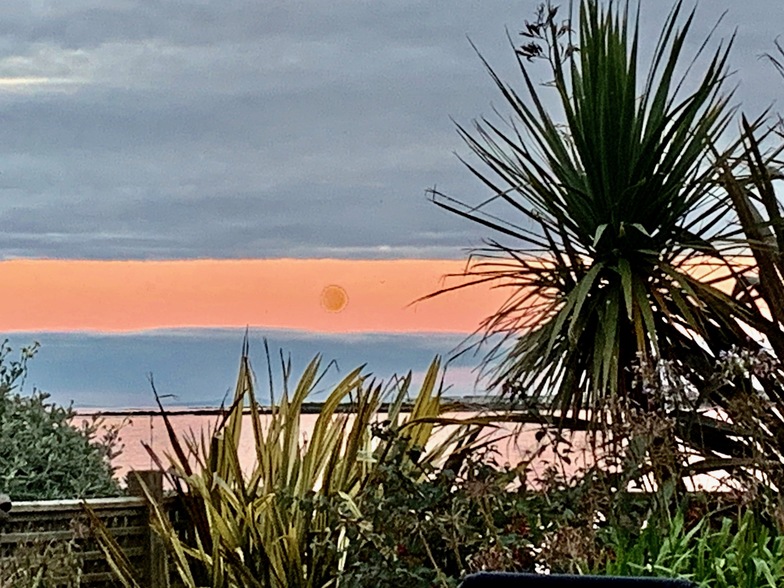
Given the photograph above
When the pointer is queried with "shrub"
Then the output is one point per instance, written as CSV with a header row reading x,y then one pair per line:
x,y
43,455
432,531
428,531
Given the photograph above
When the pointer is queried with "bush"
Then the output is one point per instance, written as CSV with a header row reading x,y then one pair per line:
x,y
431,531
43,455
45,564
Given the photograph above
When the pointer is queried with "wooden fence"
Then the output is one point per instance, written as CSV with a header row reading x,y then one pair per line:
x,y
56,534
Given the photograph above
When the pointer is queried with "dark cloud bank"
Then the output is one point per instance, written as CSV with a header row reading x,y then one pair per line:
x,y
199,366
163,129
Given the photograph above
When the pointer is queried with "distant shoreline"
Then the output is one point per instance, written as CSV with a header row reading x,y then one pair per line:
x,y
449,403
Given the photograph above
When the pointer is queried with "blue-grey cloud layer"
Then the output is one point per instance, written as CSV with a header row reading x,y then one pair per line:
x,y
199,366
243,128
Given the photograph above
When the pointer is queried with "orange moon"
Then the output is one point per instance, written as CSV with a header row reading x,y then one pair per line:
x,y
334,298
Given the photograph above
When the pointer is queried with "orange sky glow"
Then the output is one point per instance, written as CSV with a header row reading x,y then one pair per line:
x,y
324,295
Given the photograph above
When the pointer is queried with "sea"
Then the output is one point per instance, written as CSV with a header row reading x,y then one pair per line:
x,y
143,438
509,444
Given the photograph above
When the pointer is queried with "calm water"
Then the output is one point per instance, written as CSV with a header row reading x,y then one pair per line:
x,y
510,445
135,429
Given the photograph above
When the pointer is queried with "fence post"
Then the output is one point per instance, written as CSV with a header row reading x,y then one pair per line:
x,y
156,573
5,508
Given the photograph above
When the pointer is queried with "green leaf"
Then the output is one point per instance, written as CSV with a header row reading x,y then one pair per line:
x,y
599,232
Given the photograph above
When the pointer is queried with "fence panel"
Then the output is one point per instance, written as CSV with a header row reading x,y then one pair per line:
x,y
56,534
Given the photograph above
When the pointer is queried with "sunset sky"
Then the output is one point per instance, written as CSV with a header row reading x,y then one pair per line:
x,y
174,171
104,325
324,295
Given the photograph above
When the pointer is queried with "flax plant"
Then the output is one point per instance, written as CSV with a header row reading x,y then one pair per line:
x,y
280,521
603,194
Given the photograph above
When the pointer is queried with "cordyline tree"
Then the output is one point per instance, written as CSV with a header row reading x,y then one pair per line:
x,y
612,226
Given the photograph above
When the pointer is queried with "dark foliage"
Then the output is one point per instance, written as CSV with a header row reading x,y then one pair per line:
x,y
43,453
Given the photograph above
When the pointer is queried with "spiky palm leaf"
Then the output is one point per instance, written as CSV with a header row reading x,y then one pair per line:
x,y
748,179
608,212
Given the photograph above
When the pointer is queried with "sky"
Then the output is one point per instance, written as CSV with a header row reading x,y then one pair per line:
x,y
165,132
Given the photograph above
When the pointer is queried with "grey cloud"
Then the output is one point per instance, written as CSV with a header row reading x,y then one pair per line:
x,y
203,129
145,223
